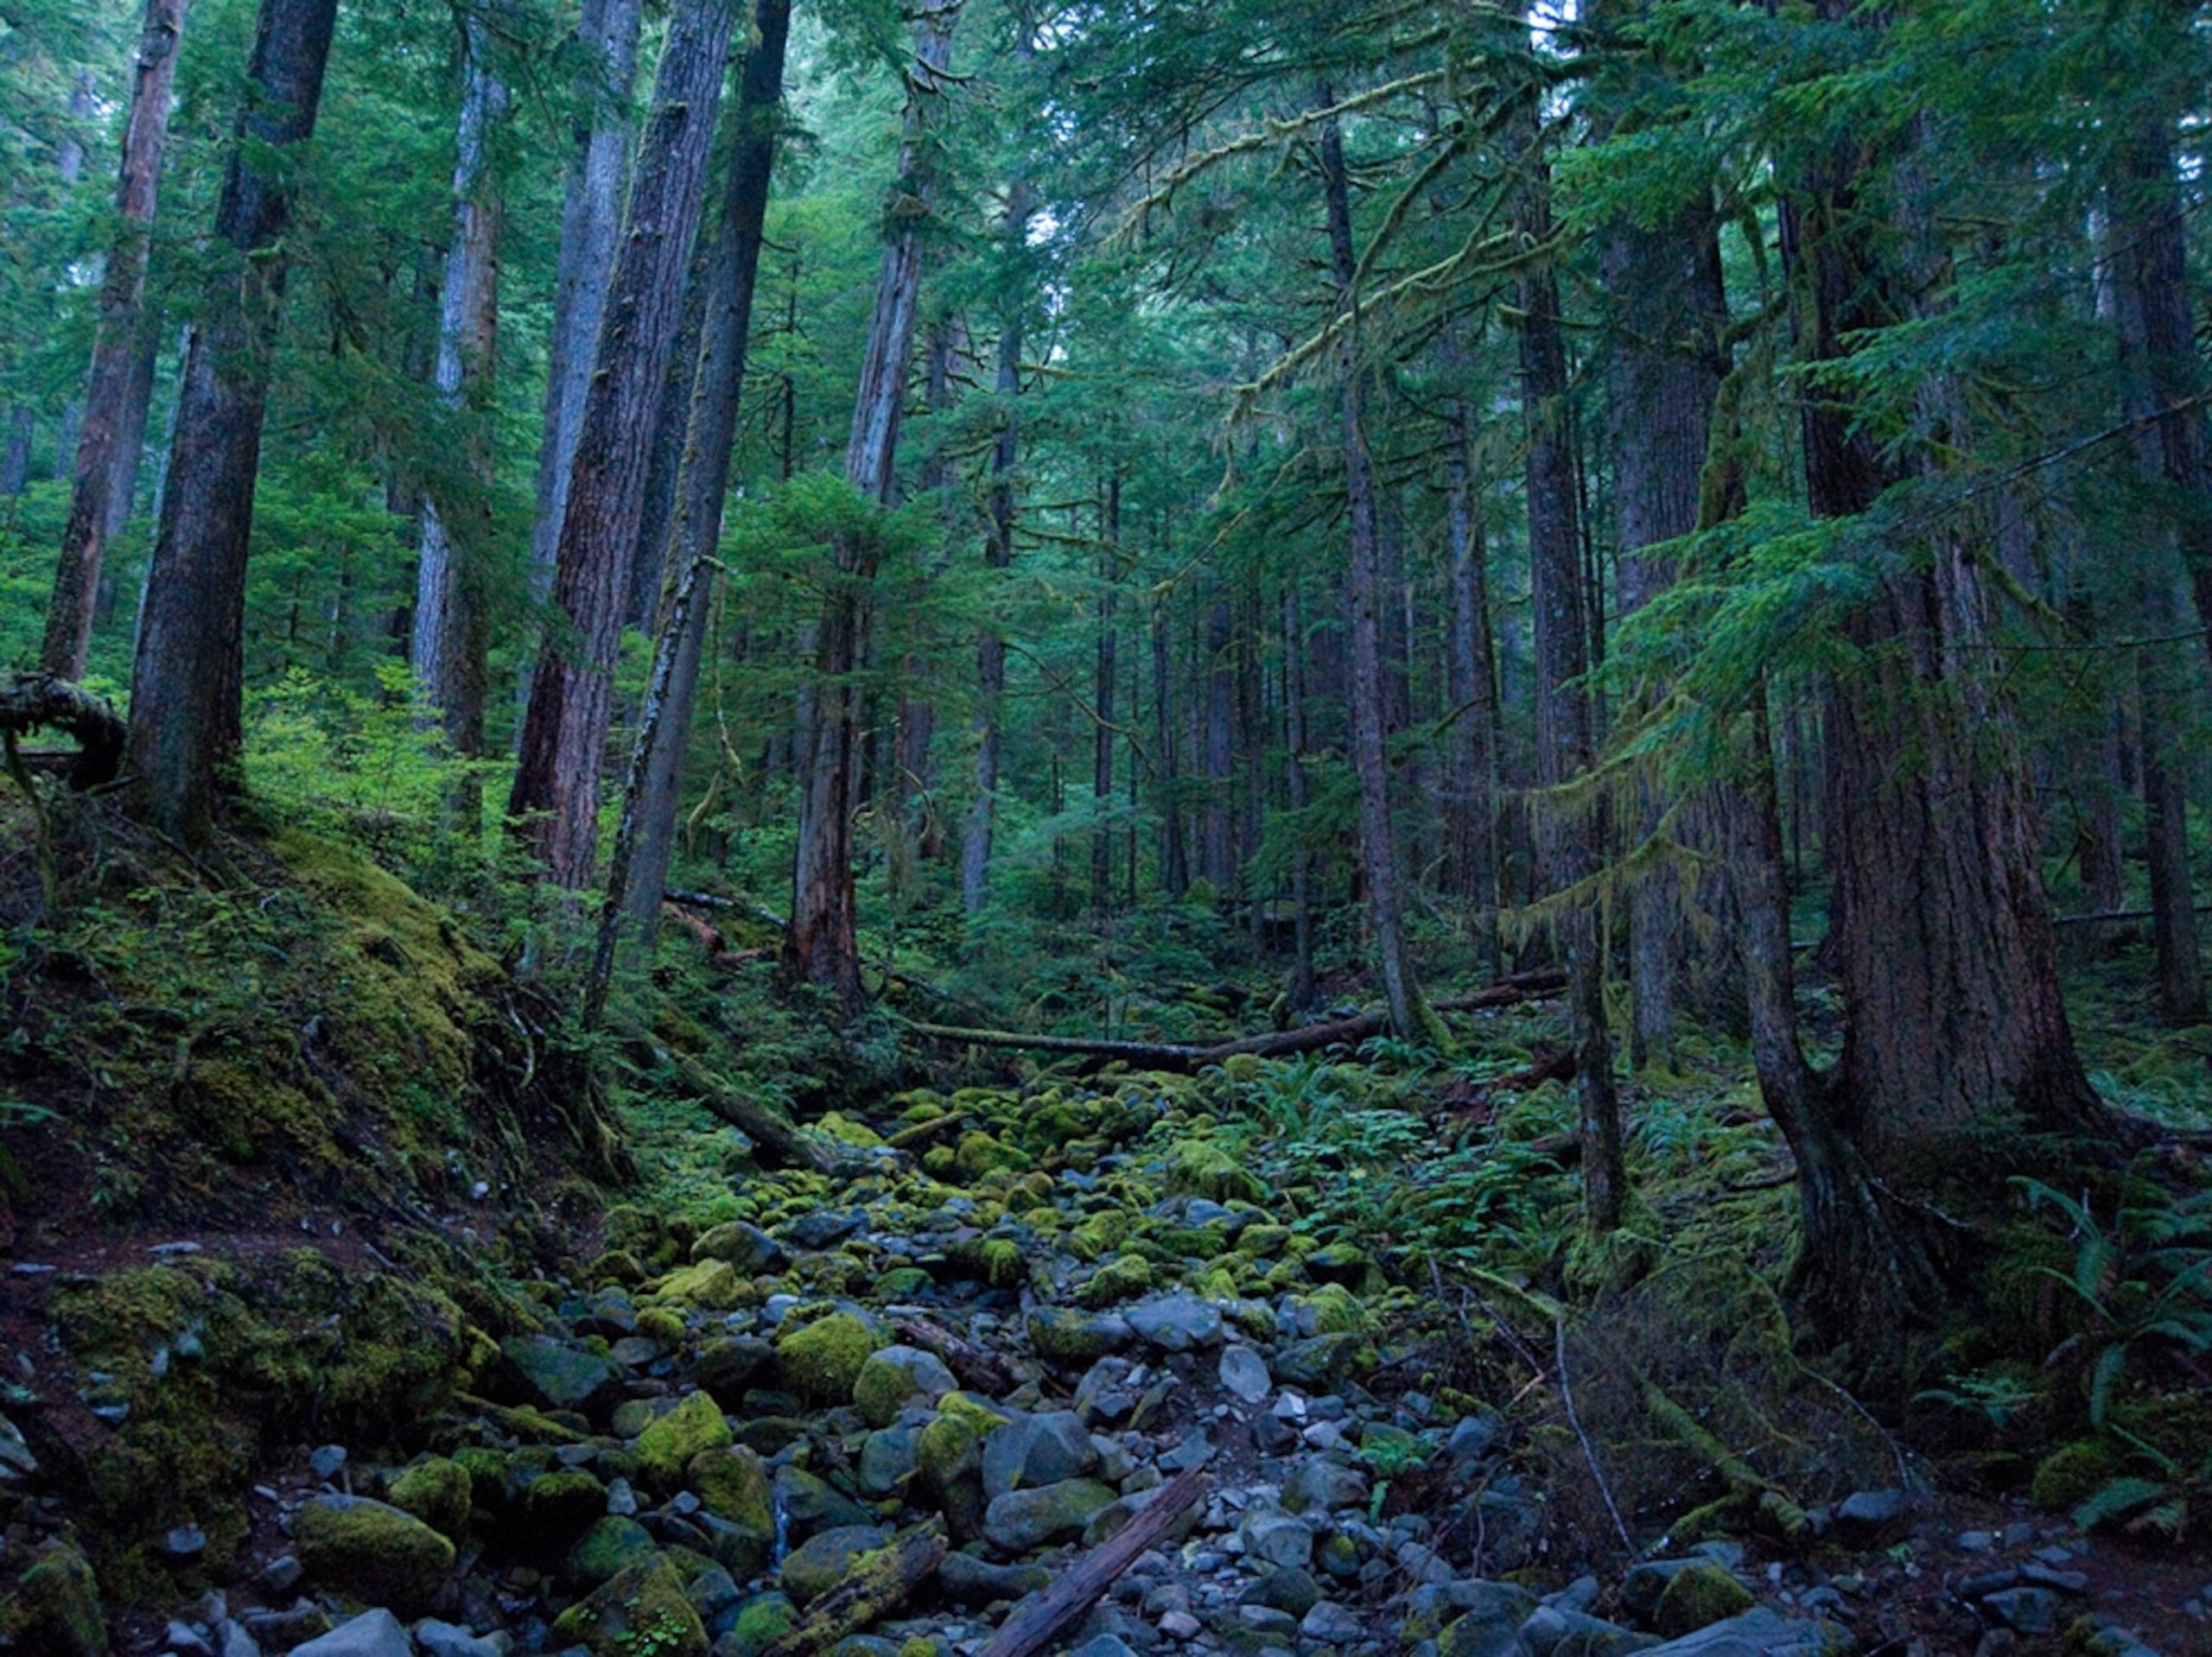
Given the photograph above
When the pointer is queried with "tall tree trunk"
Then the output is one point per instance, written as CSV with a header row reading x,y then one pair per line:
x,y
554,801
2147,295
1302,994
651,580
924,823
1104,684
108,429
821,945
998,548
1955,1024
591,226
644,842
1570,834
1471,680
1174,865
1217,835
1669,312
1410,1016
187,679
453,628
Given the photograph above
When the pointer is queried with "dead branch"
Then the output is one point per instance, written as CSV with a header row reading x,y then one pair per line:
x,y
1029,1630
879,1585
37,701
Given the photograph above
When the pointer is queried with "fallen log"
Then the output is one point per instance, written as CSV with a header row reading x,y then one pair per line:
x,y
37,701
1028,1631
974,1369
780,1142
880,1582
1276,1043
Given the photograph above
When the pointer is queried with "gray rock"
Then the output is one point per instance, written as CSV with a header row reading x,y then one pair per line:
x,y
1319,1363
1036,1450
184,1542
818,1565
1273,1539
187,1641
1578,1596
808,1505
448,1639
562,1377
1323,1486
1868,1514
1176,1323
1473,1438
900,1375
2027,1610
1332,1624
1104,1645
748,1247
1244,1373
1021,1520
1286,1588
372,1633
887,1459
1644,1585
326,1462
1109,1521
1264,1620
1759,1633
972,1581
825,1226
233,1641
1551,1633
727,1368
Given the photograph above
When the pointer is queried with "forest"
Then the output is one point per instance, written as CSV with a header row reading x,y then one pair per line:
x,y
983,828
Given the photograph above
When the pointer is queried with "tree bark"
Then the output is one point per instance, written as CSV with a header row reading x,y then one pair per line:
x,y
1471,680
451,647
591,226
1410,1017
186,682
1302,992
1956,1033
998,548
1105,682
110,431
822,946
1570,834
644,842
554,801
1174,865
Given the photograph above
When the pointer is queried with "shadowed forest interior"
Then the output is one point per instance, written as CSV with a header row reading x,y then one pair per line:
x,y
922,828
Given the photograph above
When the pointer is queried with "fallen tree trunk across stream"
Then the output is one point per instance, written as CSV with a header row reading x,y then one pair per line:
x,y
1276,1043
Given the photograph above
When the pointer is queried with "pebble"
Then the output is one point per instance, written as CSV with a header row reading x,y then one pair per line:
x,y
1181,1625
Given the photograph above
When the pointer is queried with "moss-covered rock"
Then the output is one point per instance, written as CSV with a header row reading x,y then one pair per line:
x,y
978,1154
896,1376
760,1623
1698,1597
733,1488
1200,1168
823,1362
1072,1339
436,1491
559,1505
1123,1278
2073,1473
666,1447
712,1285
641,1609
372,1551
57,1608
611,1547
826,1559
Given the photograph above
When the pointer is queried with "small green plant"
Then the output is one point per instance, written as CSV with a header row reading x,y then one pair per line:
x,y
1998,1397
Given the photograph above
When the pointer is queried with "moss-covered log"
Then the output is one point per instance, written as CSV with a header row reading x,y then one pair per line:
x,y
37,701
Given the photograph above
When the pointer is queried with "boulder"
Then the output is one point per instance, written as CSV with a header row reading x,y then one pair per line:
x,y
818,1565
1022,1519
372,1551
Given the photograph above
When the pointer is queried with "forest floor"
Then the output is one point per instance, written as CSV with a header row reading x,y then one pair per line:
x,y
294,1338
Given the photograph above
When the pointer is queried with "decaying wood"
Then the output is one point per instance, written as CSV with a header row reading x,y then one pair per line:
x,y
779,1142
879,1583
1279,1043
1029,1630
37,701
972,1366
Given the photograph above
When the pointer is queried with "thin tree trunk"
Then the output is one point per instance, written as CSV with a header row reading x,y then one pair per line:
x,y
453,628
646,841
108,429
1470,679
998,550
554,801
1410,1016
1174,867
130,441
1302,993
651,580
1570,834
1216,843
187,679
821,945
591,226
1105,683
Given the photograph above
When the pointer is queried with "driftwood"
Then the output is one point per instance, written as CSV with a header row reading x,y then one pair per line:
x,y
974,1369
779,1142
37,701
880,1582
1278,1044
1028,1631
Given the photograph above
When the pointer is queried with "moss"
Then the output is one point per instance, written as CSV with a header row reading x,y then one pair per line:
x,y
762,1622
733,1485
1068,1338
1201,1168
658,1323
847,1130
901,1283
822,1360
666,1447
918,1646
1263,1241
58,1607
712,1285
561,1504
1336,1309
1124,1278
612,1546
2073,1473
436,1491
372,1551
641,1609
1698,1597
977,1154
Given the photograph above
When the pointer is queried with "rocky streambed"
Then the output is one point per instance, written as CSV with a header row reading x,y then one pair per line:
x,y
907,1411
